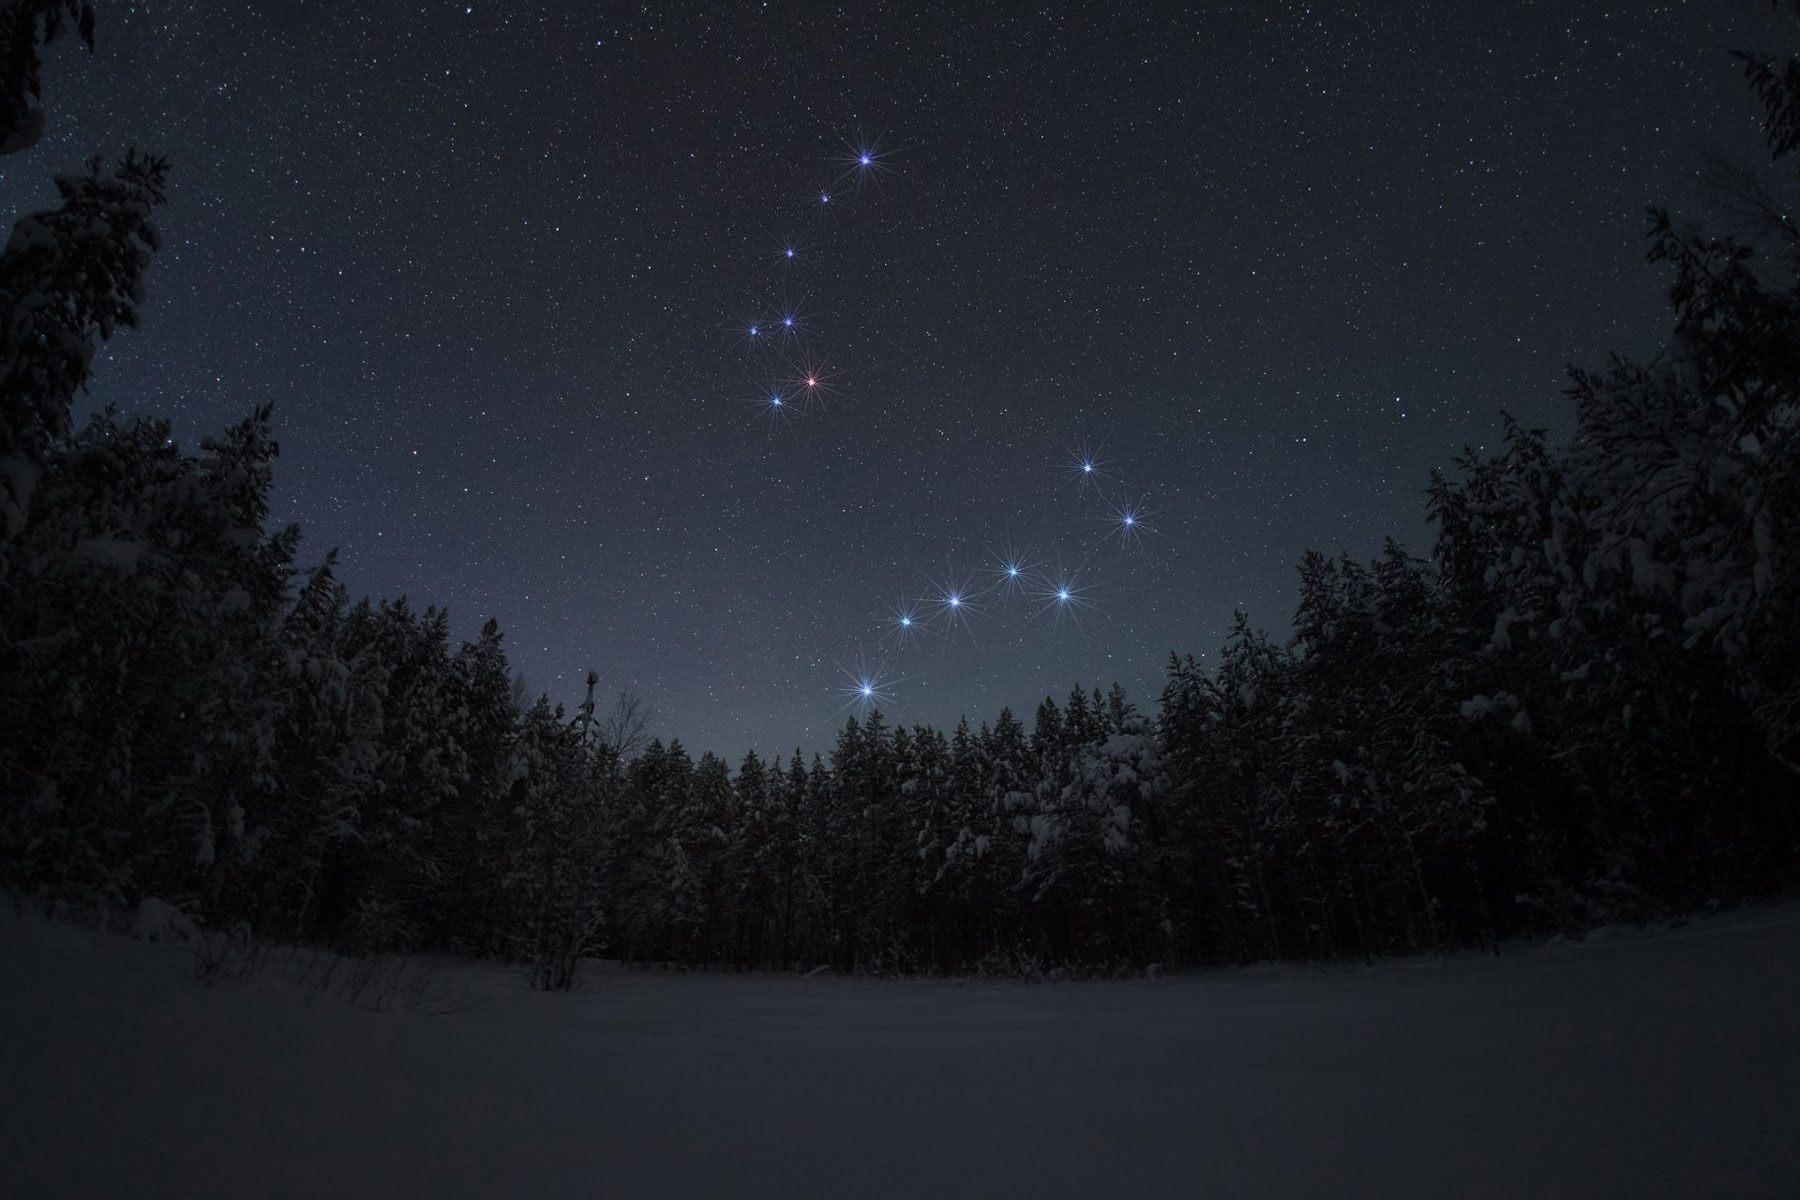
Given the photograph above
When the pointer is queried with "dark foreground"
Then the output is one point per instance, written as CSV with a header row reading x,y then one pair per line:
x,y
1646,1064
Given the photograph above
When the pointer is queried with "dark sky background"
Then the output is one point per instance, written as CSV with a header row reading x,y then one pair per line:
x,y
493,263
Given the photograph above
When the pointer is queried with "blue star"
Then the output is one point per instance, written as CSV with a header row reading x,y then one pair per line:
x,y
1062,598
868,689
861,162
774,404
904,624
956,600
1012,572
1085,465
1127,520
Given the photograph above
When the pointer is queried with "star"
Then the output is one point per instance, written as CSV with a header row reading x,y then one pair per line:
x,y
1062,598
904,624
1012,572
790,323
1085,465
812,381
1127,520
772,404
867,689
955,601
861,162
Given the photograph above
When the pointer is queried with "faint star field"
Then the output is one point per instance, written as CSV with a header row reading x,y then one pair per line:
x,y
1144,315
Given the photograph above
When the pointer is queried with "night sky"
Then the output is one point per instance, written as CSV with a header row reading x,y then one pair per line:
x,y
496,264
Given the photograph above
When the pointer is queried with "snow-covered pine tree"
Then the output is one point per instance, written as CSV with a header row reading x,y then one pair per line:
x,y
562,776
69,278
25,26
755,871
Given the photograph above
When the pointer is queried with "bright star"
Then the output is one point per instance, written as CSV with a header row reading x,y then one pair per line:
x,y
811,381
792,324
789,252
1011,572
956,601
868,688
1086,465
1128,520
862,162
753,333
772,404
1063,598
904,624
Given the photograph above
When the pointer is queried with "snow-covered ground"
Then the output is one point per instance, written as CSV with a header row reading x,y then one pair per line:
x,y
1648,1064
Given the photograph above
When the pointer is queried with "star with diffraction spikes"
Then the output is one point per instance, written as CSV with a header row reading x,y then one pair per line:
x,y
903,625
790,323
954,602
1127,520
1086,466
791,254
862,163
866,690
1062,597
811,382
773,404
1013,573
827,202
755,333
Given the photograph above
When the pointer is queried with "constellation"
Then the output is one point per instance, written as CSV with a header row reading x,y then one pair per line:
x,y
945,606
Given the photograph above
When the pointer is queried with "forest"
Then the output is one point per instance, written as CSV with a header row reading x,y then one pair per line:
x,y
1581,705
